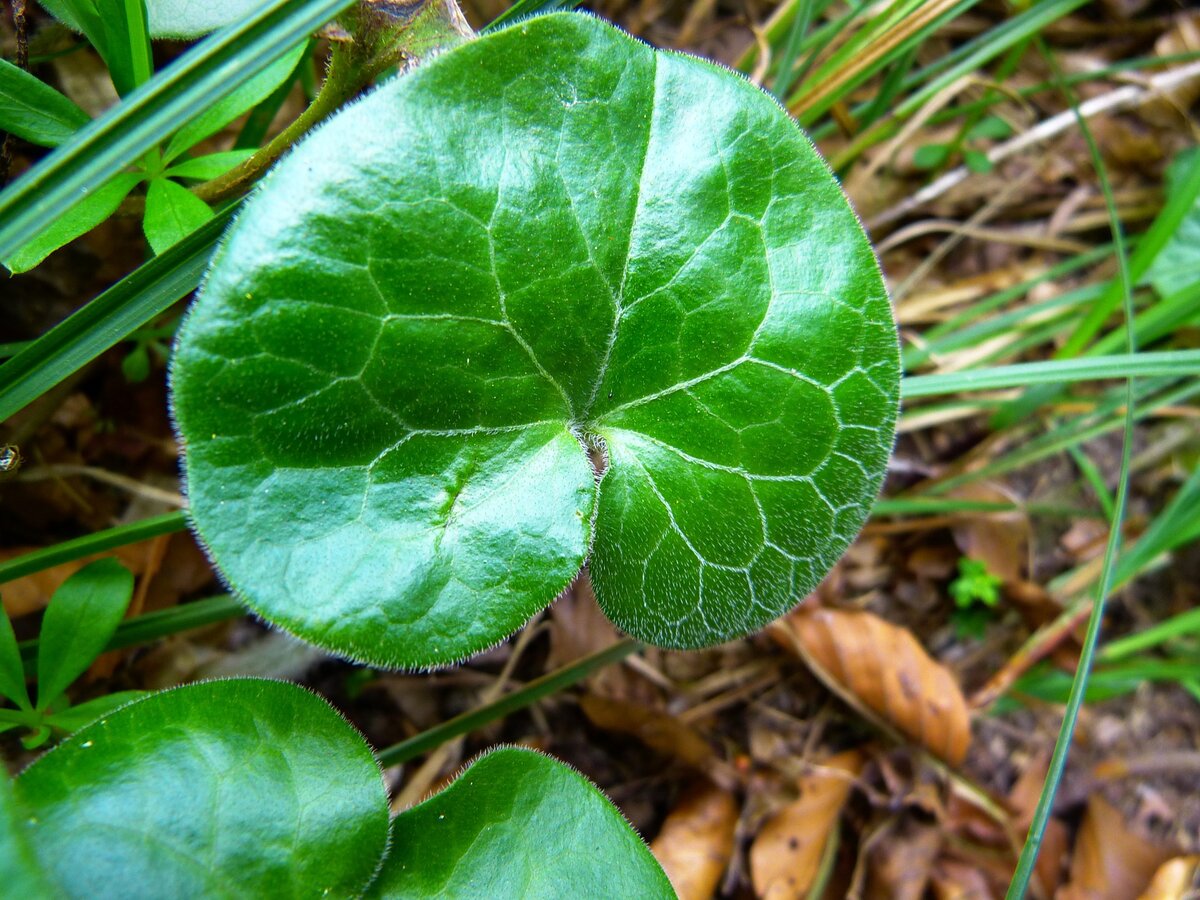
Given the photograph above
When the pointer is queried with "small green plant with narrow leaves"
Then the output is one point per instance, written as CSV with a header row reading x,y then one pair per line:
x,y
78,622
552,299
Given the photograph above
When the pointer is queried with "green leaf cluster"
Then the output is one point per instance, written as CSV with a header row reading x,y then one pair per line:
x,y
548,246
80,619
249,787
34,110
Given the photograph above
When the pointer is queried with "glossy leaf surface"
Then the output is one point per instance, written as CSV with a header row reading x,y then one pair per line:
x,y
550,238
518,825
226,788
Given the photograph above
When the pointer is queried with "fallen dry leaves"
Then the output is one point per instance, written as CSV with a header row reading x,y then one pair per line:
x,y
696,840
1174,880
786,855
881,666
1110,861
660,731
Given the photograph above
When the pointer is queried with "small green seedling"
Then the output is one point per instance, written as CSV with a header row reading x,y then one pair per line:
x,y
975,585
548,243
934,156
171,211
257,788
976,591
79,621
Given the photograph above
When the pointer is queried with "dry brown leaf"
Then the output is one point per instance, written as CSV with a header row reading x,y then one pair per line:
x,y
954,880
1169,110
1001,540
883,667
31,593
786,854
1050,868
1110,861
656,729
696,840
900,867
1175,880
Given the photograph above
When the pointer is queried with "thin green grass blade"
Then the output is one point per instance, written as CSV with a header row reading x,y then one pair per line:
x,y
548,684
158,624
90,544
204,75
124,307
1058,760
1178,524
1107,417
785,68
1179,203
1180,363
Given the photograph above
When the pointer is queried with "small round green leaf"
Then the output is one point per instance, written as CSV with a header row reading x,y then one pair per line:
x,y
227,788
550,240
517,825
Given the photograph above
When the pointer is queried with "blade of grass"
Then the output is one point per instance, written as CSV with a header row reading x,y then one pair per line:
x,y
1062,747
126,43
1127,365
158,624
1107,417
973,55
1185,624
204,75
785,68
97,542
124,307
535,690
1179,203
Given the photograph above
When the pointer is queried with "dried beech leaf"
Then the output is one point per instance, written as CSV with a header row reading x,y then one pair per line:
x,y
1000,540
657,730
1110,861
696,840
1174,880
953,880
786,854
31,593
900,867
882,667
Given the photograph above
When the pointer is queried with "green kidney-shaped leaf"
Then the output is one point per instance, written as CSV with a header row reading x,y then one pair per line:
x,y
518,825
227,788
550,240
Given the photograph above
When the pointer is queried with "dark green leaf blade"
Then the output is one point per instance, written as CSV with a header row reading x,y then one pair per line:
x,y
517,825
126,43
591,240
172,213
31,109
243,787
82,615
